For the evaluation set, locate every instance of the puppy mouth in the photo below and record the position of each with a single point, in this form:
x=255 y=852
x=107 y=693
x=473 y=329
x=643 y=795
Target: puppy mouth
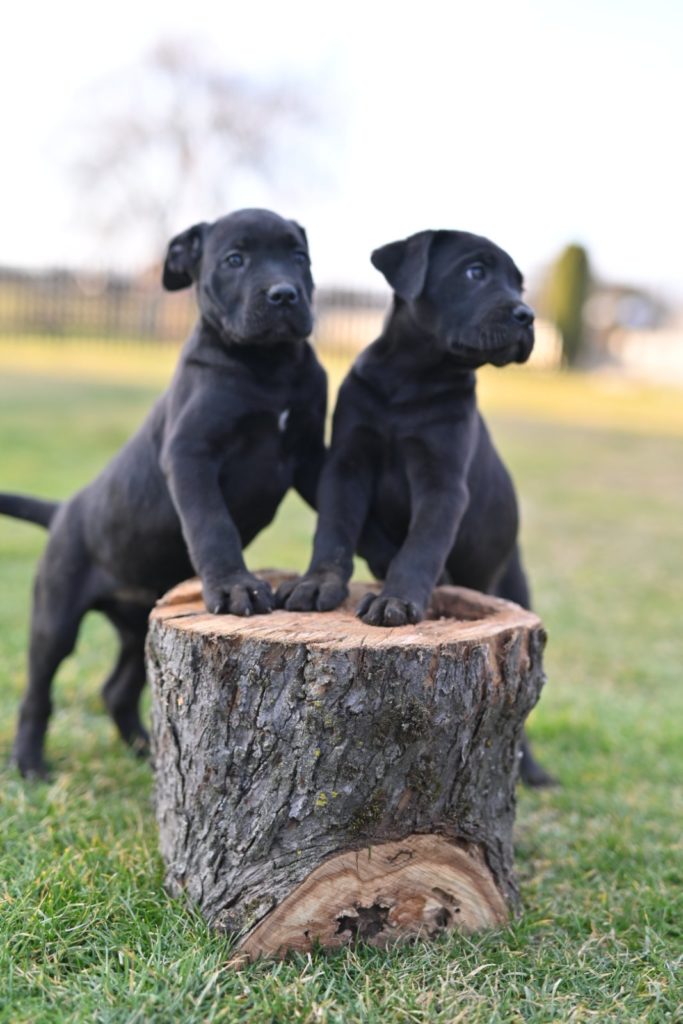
x=272 y=327
x=494 y=348
x=516 y=353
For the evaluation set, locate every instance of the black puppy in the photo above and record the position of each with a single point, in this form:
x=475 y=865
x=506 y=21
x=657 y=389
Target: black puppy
x=241 y=422
x=412 y=481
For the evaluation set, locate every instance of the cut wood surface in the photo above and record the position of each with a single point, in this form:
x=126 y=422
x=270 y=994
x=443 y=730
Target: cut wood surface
x=318 y=779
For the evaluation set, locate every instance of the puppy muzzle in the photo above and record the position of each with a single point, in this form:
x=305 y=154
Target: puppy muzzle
x=268 y=323
x=492 y=345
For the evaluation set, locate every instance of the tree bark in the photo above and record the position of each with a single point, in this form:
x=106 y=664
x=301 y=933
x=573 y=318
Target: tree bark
x=318 y=779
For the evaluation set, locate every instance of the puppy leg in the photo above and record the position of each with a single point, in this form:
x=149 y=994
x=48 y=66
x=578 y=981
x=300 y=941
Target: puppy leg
x=122 y=688
x=343 y=500
x=192 y=470
x=60 y=602
x=377 y=549
x=514 y=586
x=435 y=516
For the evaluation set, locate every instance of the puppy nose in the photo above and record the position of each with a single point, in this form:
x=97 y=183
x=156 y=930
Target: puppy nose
x=523 y=315
x=282 y=294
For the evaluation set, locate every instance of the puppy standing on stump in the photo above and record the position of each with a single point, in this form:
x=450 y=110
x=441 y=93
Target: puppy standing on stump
x=241 y=422
x=412 y=481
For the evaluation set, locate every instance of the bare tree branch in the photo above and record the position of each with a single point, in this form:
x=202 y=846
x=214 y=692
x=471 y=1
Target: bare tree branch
x=168 y=141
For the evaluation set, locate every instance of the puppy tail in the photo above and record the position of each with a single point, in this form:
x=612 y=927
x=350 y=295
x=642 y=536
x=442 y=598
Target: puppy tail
x=33 y=510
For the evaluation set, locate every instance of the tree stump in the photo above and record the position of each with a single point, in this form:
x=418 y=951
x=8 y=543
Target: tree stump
x=318 y=779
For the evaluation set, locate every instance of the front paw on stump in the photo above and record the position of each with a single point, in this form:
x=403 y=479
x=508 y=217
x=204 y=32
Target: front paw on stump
x=320 y=591
x=239 y=594
x=388 y=611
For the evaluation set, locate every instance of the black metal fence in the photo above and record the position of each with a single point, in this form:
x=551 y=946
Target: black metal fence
x=72 y=304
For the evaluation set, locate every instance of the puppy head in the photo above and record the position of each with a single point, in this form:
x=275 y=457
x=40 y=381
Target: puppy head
x=463 y=291
x=253 y=276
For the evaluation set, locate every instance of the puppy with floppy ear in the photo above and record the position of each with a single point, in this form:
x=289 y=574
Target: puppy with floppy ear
x=183 y=258
x=241 y=422
x=412 y=481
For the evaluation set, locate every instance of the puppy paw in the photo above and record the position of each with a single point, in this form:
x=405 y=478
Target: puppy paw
x=319 y=591
x=132 y=731
x=537 y=778
x=30 y=766
x=239 y=594
x=533 y=774
x=388 y=611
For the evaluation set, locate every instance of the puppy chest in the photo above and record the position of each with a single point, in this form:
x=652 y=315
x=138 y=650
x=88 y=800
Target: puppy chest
x=257 y=459
x=391 y=493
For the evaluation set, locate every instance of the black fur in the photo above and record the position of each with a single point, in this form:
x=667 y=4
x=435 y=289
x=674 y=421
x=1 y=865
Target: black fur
x=32 y=510
x=241 y=422
x=412 y=481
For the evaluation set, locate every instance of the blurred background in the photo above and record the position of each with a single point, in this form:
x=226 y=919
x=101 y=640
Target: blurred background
x=551 y=128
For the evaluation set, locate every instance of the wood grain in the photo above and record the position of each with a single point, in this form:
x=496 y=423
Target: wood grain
x=287 y=746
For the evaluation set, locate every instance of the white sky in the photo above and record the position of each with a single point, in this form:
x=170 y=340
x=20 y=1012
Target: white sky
x=535 y=123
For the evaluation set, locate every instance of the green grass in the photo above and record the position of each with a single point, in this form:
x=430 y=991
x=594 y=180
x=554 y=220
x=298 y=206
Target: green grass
x=86 y=930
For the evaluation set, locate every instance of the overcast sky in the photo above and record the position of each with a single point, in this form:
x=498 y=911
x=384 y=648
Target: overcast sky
x=533 y=122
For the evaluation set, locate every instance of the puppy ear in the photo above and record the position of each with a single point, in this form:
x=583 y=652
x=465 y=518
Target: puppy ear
x=183 y=257
x=405 y=263
x=301 y=231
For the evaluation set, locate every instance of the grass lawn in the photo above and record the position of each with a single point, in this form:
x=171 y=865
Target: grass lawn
x=86 y=930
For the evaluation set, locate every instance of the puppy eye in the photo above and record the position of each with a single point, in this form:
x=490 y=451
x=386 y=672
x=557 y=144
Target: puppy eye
x=300 y=256
x=475 y=272
x=234 y=259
